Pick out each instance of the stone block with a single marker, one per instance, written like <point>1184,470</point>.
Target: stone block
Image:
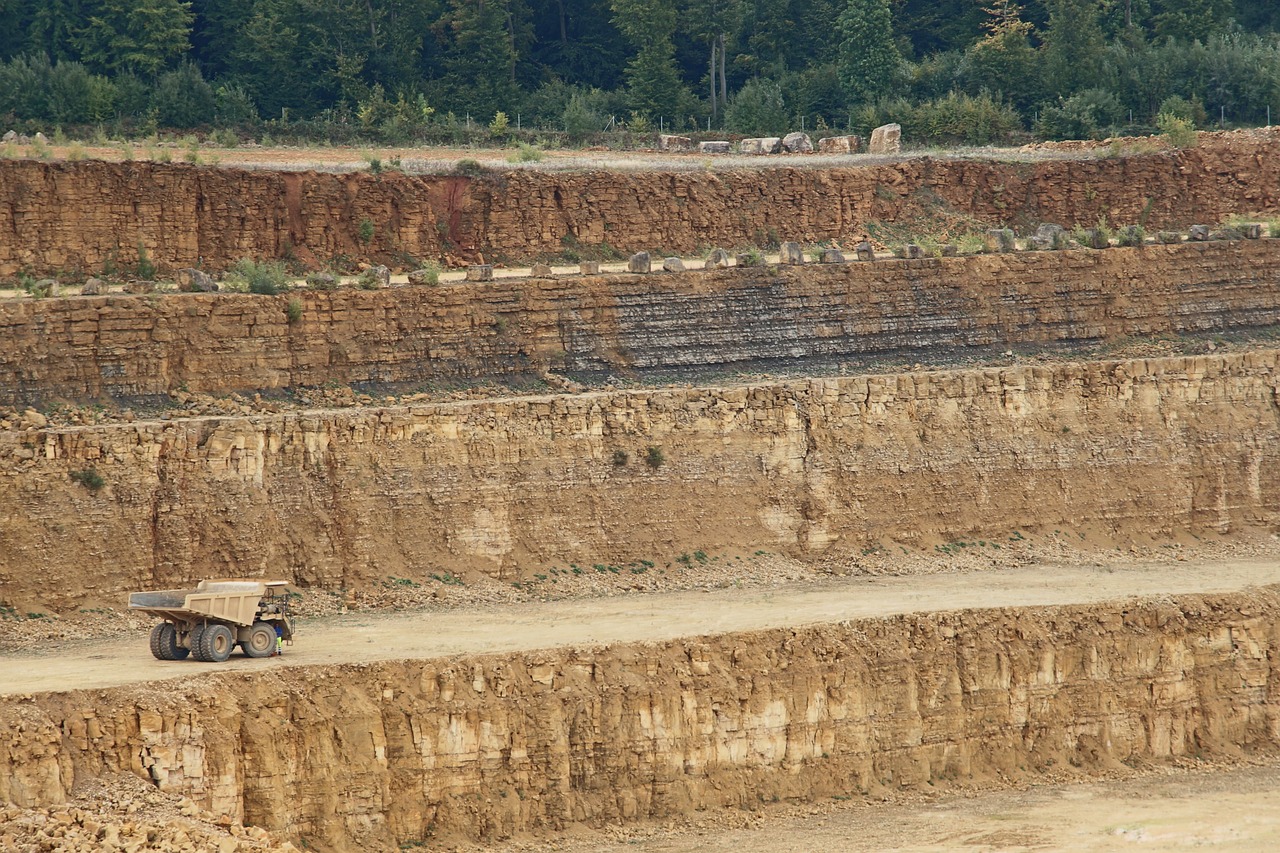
<point>639,262</point>
<point>1199,233</point>
<point>589,267</point>
<point>195,281</point>
<point>424,276</point>
<point>912,252</point>
<point>138,287</point>
<point>797,143</point>
<point>832,255</point>
<point>1000,240</point>
<point>1251,230</point>
<point>322,281</point>
<point>715,147</point>
<point>950,251</point>
<point>886,139</point>
<point>93,287</point>
<point>791,253</point>
<point>540,271</point>
<point>679,144</point>
<point>1095,238</point>
<point>760,145</point>
<point>717,260</point>
<point>672,265</point>
<point>1169,237</point>
<point>839,145</point>
<point>864,252</point>
<point>1049,236</point>
<point>480,272</point>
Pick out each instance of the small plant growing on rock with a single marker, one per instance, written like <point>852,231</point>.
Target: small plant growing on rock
<point>322,281</point>
<point>1180,132</point>
<point>654,457</point>
<point>294,311</point>
<point>88,478</point>
<point>267,278</point>
<point>621,458</point>
<point>366,230</point>
<point>1133,235</point>
<point>470,168</point>
<point>144,268</point>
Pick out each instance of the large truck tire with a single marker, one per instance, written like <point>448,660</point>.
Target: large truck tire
<point>261,641</point>
<point>164,642</point>
<point>193,641</point>
<point>216,643</point>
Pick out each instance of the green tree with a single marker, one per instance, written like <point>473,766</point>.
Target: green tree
<point>135,35</point>
<point>1004,61</point>
<point>1073,46</point>
<point>870,64</point>
<point>479,59</point>
<point>711,22</point>
<point>653,82</point>
<point>1191,19</point>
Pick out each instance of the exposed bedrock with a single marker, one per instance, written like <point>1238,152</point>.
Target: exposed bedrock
<point>87,214</point>
<point>340,499</point>
<point>131,346</point>
<point>373,756</point>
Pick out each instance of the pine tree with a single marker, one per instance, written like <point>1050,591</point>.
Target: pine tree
<point>653,82</point>
<point>135,35</point>
<point>479,59</point>
<point>870,64</point>
<point>1073,47</point>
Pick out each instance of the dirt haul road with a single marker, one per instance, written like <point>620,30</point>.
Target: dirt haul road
<point>363,637</point>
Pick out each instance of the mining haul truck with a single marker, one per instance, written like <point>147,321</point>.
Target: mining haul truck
<point>208,622</point>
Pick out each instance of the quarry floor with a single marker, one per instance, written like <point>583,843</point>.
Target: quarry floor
<point>372,635</point>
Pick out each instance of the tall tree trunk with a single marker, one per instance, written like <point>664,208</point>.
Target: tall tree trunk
<point>713,78</point>
<point>724,87</point>
<point>564,31</point>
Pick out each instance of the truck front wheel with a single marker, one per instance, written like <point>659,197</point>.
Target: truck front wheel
<point>216,643</point>
<point>164,642</point>
<point>261,641</point>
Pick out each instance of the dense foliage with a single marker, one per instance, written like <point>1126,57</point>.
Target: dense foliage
<point>973,70</point>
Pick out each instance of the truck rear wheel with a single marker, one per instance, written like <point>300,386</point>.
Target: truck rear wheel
<point>164,642</point>
<point>193,640</point>
<point>261,641</point>
<point>216,643</point>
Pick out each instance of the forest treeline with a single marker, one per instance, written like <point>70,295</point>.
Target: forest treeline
<point>396,70</point>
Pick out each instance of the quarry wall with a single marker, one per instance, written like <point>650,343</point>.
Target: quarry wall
<point>373,756</point>
<point>82,348</point>
<point>344,499</point>
<point>85,215</point>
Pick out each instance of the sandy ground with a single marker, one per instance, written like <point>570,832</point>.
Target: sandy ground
<point>1169,810</point>
<point>397,636</point>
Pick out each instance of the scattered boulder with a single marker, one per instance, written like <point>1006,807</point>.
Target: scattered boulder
<point>717,260</point>
<point>672,265</point>
<point>950,251</point>
<point>760,145</point>
<point>540,271</point>
<point>480,272</point>
<point>714,147</point>
<point>864,252</point>
<point>1000,240</point>
<point>426,275</point>
<point>41,138</point>
<point>797,143</point>
<point>832,255</point>
<point>1050,236</point>
<point>886,139</point>
<point>93,287</point>
<point>1169,237</point>
<point>140,287</point>
<point>668,142</point>
<point>791,253</point>
<point>33,419</point>
<point>44,288</point>
<point>912,252</point>
<point>839,145</point>
<point>11,136</point>
<point>589,267</point>
<point>1199,233</point>
<point>375,278</point>
<point>639,262</point>
<point>322,281</point>
<point>195,281</point>
<point>1251,230</point>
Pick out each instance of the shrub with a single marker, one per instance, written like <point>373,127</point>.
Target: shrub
<point>1085,115</point>
<point>144,269</point>
<point>654,457</point>
<point>267,278</point>
<point>88,478</point>
<point>1132,235</point>
<point>1188,110</point>
<point>366,230</point>
<point>322,281</point>
<point>294,311</point>
<point>525,153</point>
<point>233,106</point>
<point>583,114</point>
<point>621,458</point>
<point>500,125</point>
<point>470,168</point>
<point>757,109</point>
<point>1180,132</point>
<point>182,98</point>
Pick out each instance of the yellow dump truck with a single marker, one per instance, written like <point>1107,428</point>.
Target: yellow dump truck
<point>208,622</point>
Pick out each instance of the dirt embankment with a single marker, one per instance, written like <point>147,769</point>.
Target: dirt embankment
<point>87,214</point>
<point>130,346</point>
<point>378,755</point>
<point>347,499</point>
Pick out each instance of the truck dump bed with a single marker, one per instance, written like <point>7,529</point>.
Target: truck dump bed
<point>226,601</point>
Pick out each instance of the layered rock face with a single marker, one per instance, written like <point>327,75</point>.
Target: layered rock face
<point>130,346</point>
<point>88,214</point>
<point>340,499</point>
<point>374,756</point>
